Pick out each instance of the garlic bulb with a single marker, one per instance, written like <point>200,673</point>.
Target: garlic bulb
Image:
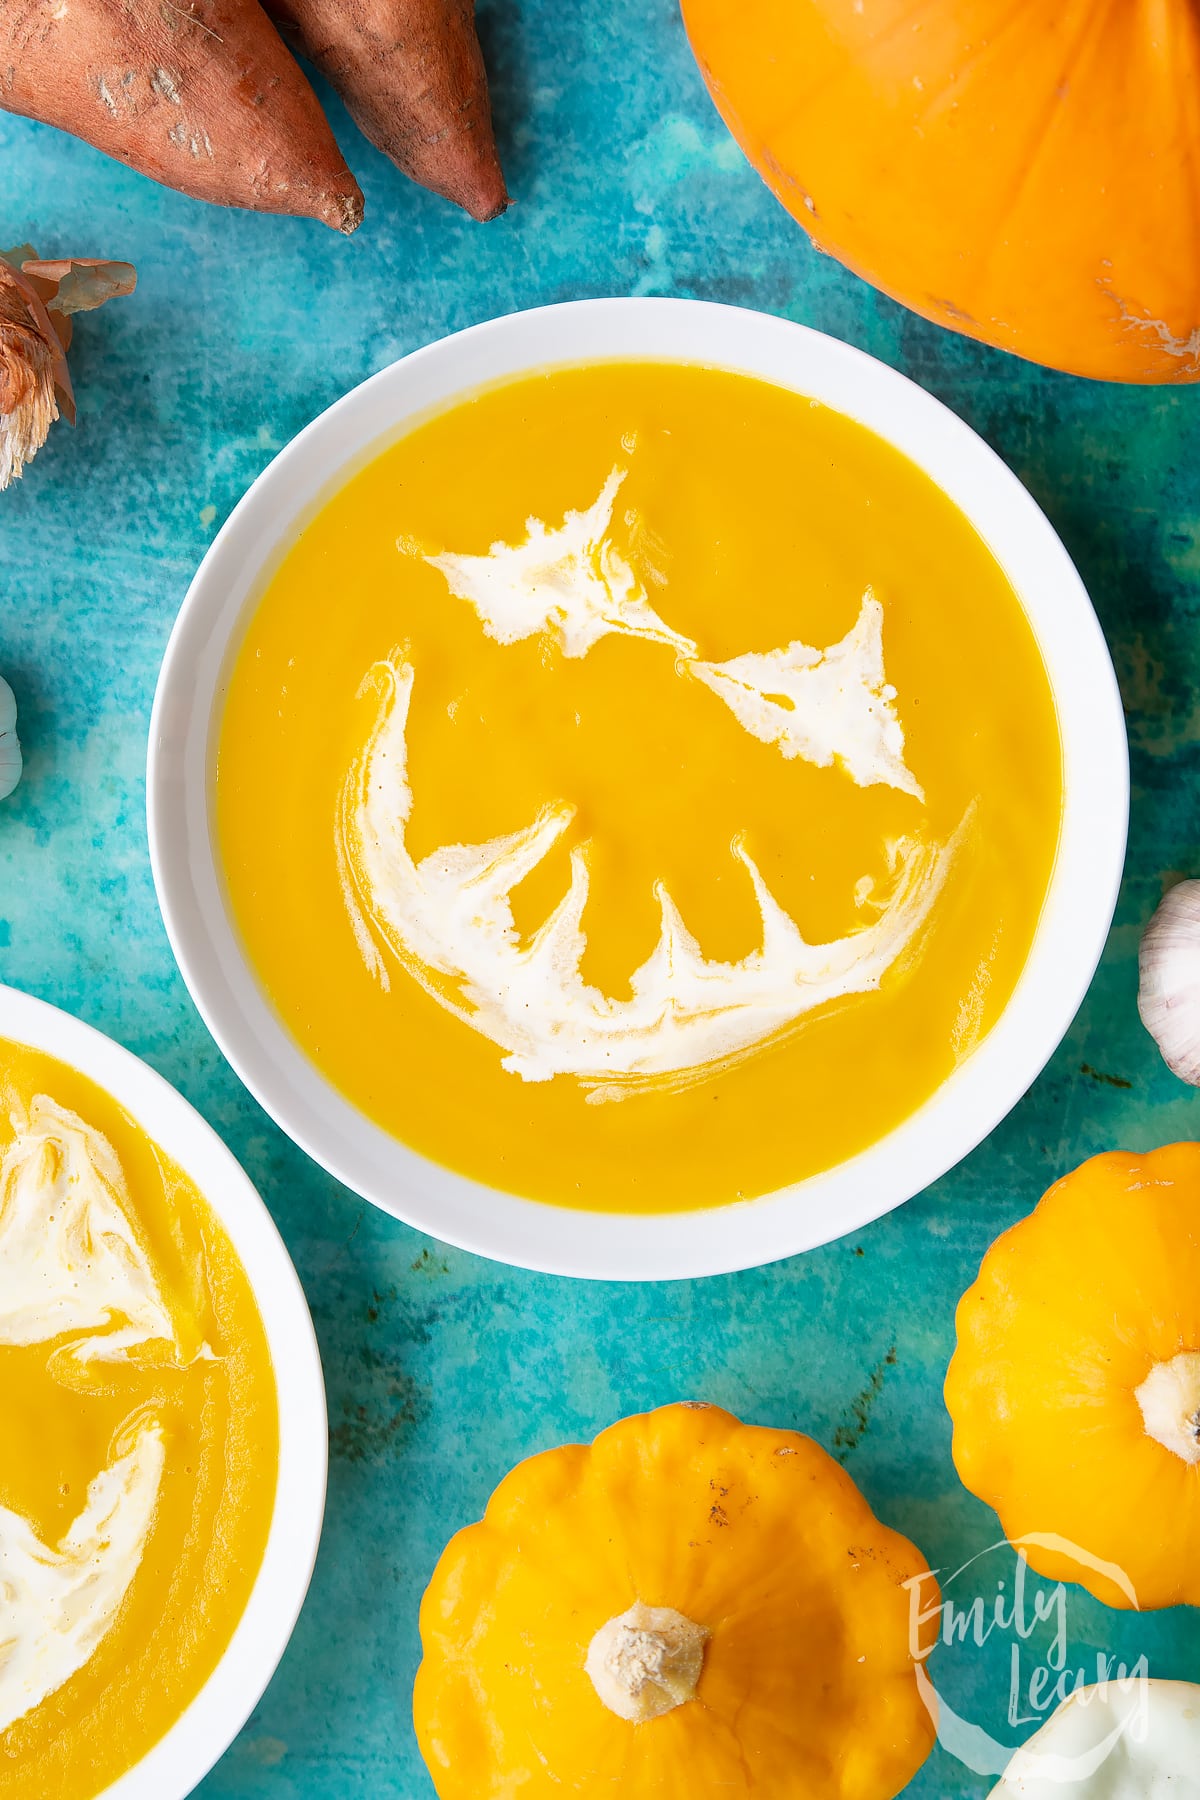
<point>1169,980</point>
<point>37,300</point>
<point>10,744</point>
<point>28,406</point>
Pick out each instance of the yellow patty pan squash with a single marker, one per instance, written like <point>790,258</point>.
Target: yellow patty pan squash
<point>689,1607</point>
<point>1075,1387</point>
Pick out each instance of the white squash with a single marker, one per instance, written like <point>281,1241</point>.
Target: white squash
<point>1138,1740</point>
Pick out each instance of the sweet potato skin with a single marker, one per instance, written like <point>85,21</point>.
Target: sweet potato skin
<point>412,75</point>
<point>201,95</point>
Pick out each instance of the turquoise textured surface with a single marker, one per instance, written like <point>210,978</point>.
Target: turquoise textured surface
<point>444,1370</point>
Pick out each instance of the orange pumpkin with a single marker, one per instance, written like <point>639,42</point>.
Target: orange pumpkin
<point>688,1606</point>
<point>1027,175</point>
<point>1075,1387</point>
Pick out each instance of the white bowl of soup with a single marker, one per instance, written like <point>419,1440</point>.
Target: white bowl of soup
<point>637,789</point>
<point>162,1412</point>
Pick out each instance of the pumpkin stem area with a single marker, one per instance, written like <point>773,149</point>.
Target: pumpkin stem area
<point>1170,1402</point>
<point>646,1661</point>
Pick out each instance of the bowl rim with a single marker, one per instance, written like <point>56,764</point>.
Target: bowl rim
<point>533,1234</point>
<point>202,1733</point>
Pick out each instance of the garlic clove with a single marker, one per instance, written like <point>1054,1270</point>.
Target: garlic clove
<point>1169,980</point>
<point>10,744</point>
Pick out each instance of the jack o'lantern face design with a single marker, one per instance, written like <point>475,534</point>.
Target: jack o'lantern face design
<point>447,918</point>
<point>637,732</point>
<point>127,1337</point>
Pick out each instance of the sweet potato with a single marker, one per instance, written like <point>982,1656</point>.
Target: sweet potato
<point>411,73</point>
<point>199,94</point>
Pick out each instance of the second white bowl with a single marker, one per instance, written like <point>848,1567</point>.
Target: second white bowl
<point>205,1729</point>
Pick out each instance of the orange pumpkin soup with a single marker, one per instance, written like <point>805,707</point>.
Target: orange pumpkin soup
<point>638,787</point>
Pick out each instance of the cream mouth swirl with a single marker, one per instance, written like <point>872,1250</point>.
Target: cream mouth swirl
<point>448,921</point>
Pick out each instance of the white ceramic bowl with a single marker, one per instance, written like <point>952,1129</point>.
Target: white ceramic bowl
<point>205,1730</point>
<point>1069,940</point>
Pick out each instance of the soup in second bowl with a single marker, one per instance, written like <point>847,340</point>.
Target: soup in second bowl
<point>638,787</point>
<point>139,1422</point>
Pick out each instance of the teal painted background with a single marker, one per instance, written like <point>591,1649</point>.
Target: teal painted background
<point>442,1369</point>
